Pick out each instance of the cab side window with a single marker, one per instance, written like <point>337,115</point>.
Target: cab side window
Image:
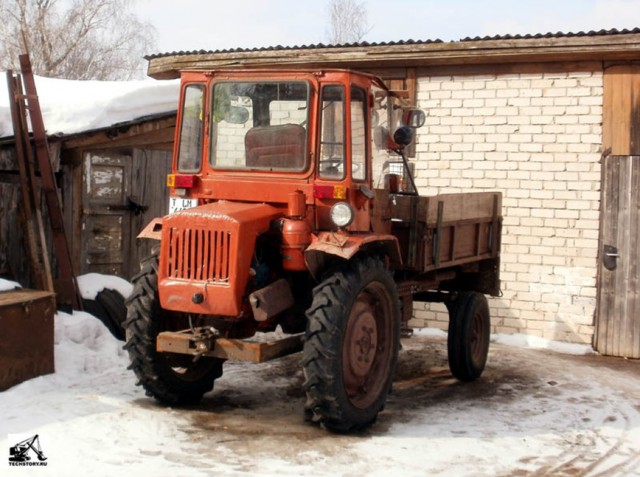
<point>191,129</point>
<point>358,134</point>
<point>332,133</point>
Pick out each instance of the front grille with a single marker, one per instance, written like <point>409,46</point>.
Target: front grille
<point>199,254</point>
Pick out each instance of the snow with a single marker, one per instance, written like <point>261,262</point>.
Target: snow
<point>532,412</point>
<point>70,107</point>
<point>535,342</point>
<point>519,340</point>
<point>91,284</point>
<point>6,285</point>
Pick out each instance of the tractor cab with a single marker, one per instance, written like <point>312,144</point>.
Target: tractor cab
<point>259,136</point>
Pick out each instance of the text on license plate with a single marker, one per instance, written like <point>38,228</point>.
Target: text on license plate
<point>177,204</point>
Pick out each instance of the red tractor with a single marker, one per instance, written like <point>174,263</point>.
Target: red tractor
<point>294,208</point>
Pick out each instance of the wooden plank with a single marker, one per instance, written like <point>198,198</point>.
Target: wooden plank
<point>149,169</point>
<point>457,243</point>
<point>76,206</point>
<point>623,322</point>
<point>459,207</point>
<point>634,112</point>
<point>412,86</point>
<point>380,212</point>
<point>608,231</point>
<point>153,133</point>
<point>185,342</point>
<point>457,262</point>
<point>401,207</point>
<point>617,105</point>
<point>22,295</point>
<point>613,208</point>
<point>633,291</point>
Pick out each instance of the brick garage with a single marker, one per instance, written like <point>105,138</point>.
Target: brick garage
<point>536,137</point>
<point>550,121</point>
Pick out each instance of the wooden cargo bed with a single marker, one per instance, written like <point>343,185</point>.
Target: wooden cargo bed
<point>441,231</point>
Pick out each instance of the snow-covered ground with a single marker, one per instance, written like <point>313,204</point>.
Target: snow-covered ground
<point>534,412</point>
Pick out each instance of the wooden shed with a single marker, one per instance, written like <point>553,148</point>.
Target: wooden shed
<point>112,182</point>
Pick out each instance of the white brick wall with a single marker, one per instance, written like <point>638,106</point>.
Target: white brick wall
<point>537,138</point>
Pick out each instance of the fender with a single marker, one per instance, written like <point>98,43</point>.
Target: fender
<point>345,246</point>
<point>153,230</point>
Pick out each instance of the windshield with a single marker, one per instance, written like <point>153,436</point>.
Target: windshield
<point>260,126</point>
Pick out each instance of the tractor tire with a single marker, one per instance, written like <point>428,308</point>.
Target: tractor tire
<point>170,378</point>
<point>110,309</point>
<point>351,346</point>
<point>469,333</point>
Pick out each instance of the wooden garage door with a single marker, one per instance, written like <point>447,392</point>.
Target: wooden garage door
<point>618,316</point>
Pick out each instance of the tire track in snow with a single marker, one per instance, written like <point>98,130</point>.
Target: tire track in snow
<point>614,460</point>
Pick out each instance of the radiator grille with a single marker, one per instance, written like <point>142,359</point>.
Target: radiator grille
<point>197,254</point>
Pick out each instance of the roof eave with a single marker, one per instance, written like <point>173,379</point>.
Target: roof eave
<point>621,47</point>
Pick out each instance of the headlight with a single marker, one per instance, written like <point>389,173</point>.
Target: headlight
<point>342,214</point>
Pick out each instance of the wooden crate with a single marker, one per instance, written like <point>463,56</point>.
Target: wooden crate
<point>26,335</point>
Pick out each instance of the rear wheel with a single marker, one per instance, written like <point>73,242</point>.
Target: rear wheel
<point>351,346</point>
<point>170,378</point>
<point>469,332</point>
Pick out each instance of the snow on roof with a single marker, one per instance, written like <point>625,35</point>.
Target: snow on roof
<point>70,107</point>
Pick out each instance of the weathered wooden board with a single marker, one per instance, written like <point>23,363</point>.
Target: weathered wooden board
<point>455,207</point>
<point>461,207</point>
<point>618,310</point>
<point>621,110</point>
<point>148,188</point>
<point>184,342</point>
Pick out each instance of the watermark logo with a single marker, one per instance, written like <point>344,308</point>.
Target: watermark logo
<point>27,452</point>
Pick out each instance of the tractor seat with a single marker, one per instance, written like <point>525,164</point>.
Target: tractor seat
<point>276,147</point>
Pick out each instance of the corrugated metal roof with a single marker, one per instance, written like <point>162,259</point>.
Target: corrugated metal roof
<point>559,34</point>
<point>296,47</point>
<point>366,44</point>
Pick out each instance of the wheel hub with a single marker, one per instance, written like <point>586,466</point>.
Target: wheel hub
<point>364,341</point>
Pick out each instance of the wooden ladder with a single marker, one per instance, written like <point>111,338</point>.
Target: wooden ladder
<point>22,101</point>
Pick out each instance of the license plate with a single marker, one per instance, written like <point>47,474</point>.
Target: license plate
<point>176,204</point>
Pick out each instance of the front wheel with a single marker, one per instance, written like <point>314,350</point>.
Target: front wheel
<point>351,346</point>
<point>469,332</point>
<point>170,378</point>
